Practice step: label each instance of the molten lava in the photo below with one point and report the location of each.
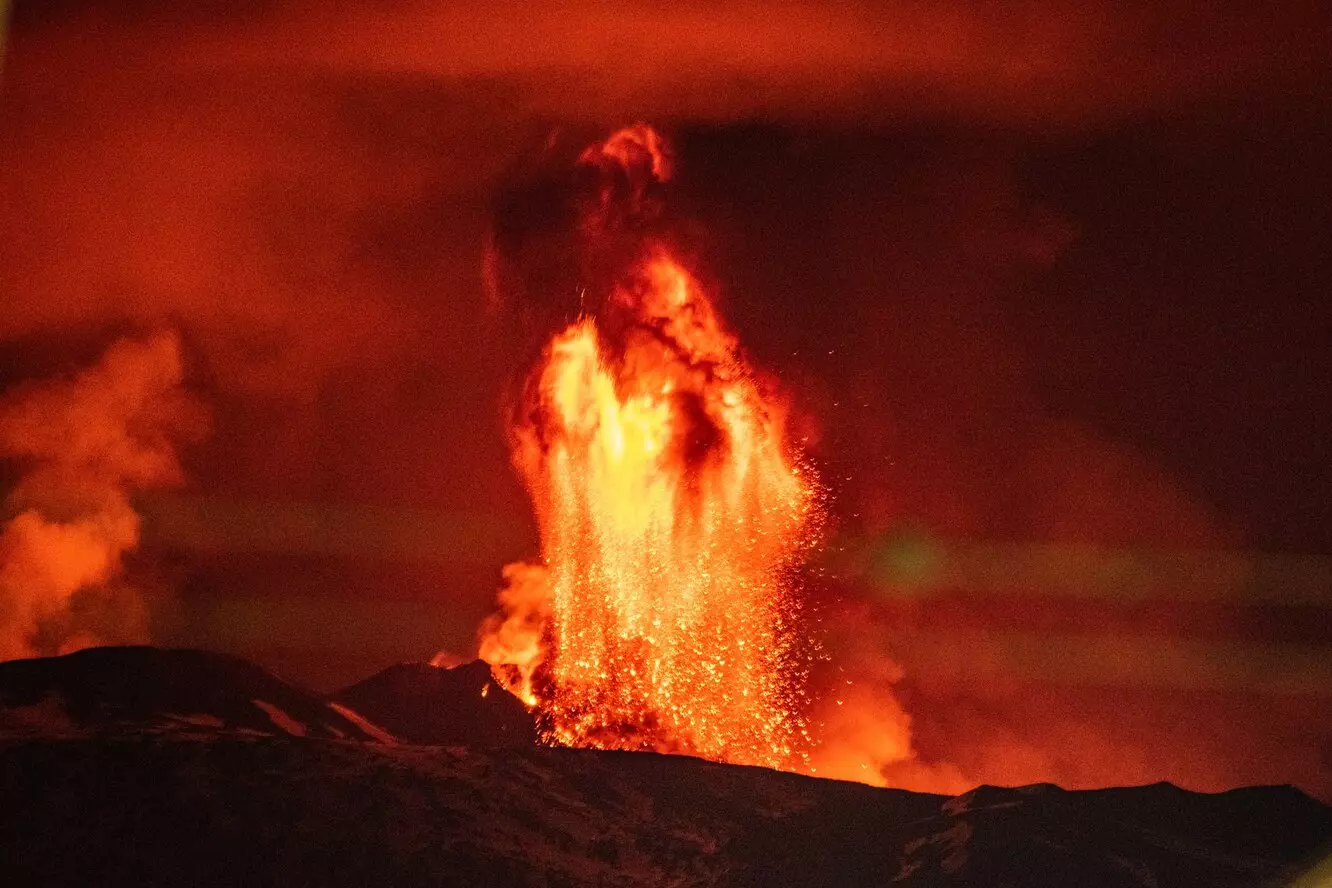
(672, 513)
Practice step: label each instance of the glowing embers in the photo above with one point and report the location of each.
(670, 517)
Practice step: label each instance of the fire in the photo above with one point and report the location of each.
(672, 513)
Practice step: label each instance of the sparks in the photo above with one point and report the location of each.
(671, 511)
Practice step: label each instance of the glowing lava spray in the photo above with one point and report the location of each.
(672, 514)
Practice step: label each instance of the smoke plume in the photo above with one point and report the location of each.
(82, 446)
(513, 636)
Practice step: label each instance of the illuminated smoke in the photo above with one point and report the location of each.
(82, 446)
(860, 729)
(515, 635)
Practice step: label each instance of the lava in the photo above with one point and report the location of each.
(672, 513)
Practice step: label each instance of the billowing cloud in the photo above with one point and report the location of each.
(84, 445)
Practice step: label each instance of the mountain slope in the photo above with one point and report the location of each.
(256, 811)
(160, 767)
(153, 689)
(421, 703)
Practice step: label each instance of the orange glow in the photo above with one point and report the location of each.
(513, 637)
(628, 147)
(86, 445)
(671, 514)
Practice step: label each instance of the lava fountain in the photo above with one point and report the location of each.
(672, 513)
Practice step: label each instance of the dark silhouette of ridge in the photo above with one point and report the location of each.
(157, 689)
(139, 766)
(420, 703)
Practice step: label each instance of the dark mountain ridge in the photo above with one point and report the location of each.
(420, 703)
(161, 775)
(139, 688)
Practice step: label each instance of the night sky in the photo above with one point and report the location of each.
(1049, 287)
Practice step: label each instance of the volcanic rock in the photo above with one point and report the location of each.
(239, 810)
(129, 689)
(421, 703)
(136, 766)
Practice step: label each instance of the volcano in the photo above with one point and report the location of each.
(420, 703)
(144, 766)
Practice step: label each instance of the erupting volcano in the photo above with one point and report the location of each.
(672, 510)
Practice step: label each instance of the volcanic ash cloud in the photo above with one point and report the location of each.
(82, 446)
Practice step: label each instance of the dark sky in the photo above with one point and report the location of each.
(1049, 285)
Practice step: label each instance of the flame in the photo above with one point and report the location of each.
(671, 513)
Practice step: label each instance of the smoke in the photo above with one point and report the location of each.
(513, 635)
(1039, 60)
(82, 447)
(865, 734)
